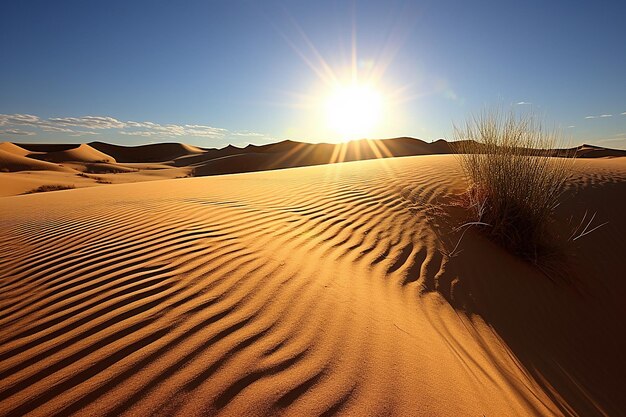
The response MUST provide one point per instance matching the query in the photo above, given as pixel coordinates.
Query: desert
(351, 208)
(303, 291)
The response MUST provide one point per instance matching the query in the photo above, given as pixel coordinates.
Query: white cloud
(205, 127)
(130, 128)
(248, 134)
(18, 119)
(56, 129)
(624, 114)
(172, 130)
(521, 103)
(88, 122)
(16, 132)
(138, 133)
(55, 124)
(83, 133)
(571, 127)
(599, 117)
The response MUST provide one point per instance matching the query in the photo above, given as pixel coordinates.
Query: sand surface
(307, 291)
(27, 168)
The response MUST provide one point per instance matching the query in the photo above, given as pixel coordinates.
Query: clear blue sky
(217, 72)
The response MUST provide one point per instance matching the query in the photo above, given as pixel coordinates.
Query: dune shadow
(567, 335)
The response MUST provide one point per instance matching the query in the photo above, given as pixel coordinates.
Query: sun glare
(353, 111)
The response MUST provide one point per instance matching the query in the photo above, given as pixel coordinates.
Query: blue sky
(216, 72)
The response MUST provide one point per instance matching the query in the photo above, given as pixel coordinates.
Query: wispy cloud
(88, 122)
(90, 125)
(16, 132)
(571, 127)
(143, 133)
(624, 114)
(18, 119)
(83, 133)
(599, 116)
(248, 134)
(521, 103)
(172, 130)
(59, 124)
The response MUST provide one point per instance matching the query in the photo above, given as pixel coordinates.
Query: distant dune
(312, 291)
(13, 149)
(100, 163)
(79, 153)
(158, 152)
(591, 151)
(10, 162)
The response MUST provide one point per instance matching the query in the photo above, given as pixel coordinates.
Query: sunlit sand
(307, 291)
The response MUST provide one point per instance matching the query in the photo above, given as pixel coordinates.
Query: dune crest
(80, 153)
(158, 152)
(13, 162)
(13, 149)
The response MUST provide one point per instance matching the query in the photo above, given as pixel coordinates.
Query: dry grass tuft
(514, 184)
(46, 188)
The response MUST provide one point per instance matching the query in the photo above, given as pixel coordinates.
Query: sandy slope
(13, 148)
(25, 169)
(12, 162)
(157, 152)
(310, 291)
(26, 164)
(79, 153)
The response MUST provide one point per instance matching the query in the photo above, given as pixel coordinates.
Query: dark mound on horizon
(77, 153)
(591, 151)
(285, 154)
(289, 154)
(156, 152)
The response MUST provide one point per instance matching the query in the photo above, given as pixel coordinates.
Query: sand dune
(47, 147)
(29, 167)
(289, 154)
(158, 152)
(13, 149)
(310, 291)
(591, 151)
(175, 160)
(11, 162)
(79, 153)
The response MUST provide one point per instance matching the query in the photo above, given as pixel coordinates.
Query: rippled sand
(307, 291)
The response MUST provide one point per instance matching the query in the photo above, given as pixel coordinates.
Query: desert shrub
(46, 188)
(106, 168)
(514, 183)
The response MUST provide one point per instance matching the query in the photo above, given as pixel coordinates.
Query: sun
(353, 111)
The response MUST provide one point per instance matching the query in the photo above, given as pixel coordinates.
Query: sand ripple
(301, 292)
